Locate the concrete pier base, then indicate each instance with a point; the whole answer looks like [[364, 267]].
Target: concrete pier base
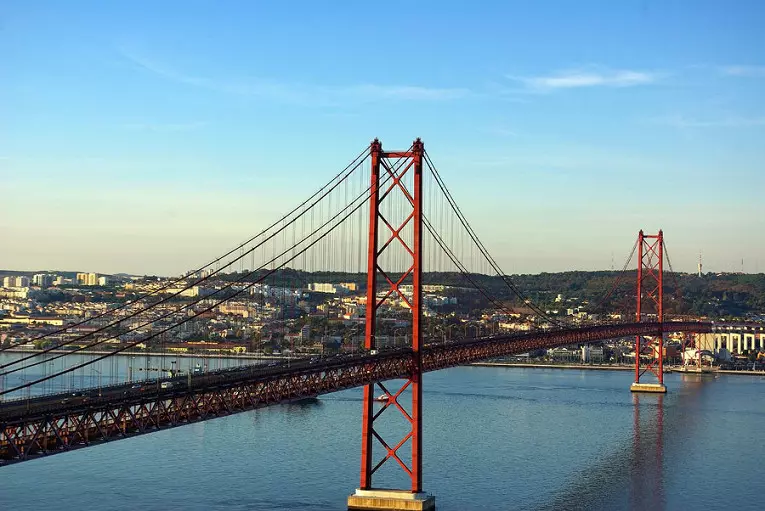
[[395, 500], [656, 388]]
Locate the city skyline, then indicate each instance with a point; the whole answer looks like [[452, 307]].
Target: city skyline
[[189, 274], [149, 150]]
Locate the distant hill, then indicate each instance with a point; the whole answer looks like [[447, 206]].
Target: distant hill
[[713, 295], [15, 273], [63, 273]]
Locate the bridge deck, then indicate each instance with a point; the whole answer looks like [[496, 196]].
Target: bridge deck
[[58, 423]]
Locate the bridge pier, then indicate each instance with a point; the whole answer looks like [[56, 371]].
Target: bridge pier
[[655, 388], [391, 500]]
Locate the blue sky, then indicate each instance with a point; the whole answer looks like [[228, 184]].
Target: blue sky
[[145, 136]]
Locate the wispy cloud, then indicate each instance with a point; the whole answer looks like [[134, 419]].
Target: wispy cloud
[[295, 93], [679, 121], [168, 127], [581, 78], [749, 71]]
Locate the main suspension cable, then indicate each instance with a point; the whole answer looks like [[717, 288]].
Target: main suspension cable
[[460, 266], [217, 303], [678, 293], [117, 322], [482, 248], [619, 278], [342, 175], [184, 307]]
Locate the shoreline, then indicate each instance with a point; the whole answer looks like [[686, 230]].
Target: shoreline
[[152, 354], [589, 367], [601, 367], [733, 371], [581, 367]]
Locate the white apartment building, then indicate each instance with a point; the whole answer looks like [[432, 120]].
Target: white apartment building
[[19, 281]]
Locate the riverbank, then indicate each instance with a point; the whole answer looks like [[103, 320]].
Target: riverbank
[[749, 373], [152, 354], [601, 367], [594, 367]]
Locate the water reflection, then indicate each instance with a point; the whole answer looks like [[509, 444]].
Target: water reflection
[[647, 463], [517, 439], [633, 477]]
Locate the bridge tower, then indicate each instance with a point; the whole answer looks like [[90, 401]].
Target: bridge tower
[[405, 234], [650, 292]]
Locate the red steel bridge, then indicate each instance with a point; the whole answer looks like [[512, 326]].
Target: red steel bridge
[[388, 215]]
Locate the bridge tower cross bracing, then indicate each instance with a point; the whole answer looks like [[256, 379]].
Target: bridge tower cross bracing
[[407, 237], [650, 292]]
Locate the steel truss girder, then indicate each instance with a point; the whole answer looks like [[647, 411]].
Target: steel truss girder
[[24, 438], [30, 436]]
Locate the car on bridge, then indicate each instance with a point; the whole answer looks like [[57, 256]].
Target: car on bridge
[[75, 396]]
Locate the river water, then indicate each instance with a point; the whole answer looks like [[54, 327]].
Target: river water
[[494, 438], [108, 371]]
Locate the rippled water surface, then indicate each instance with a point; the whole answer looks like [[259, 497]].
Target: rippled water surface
[[494, 438]]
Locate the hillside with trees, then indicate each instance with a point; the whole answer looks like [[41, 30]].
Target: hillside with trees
[[727, 295]]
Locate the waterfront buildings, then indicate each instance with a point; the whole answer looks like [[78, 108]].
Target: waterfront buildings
[[267, 318]]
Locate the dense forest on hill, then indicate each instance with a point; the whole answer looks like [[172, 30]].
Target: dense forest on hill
[[712, 295], [716, 296]]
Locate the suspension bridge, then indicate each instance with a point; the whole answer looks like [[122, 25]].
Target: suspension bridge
[[389, 216]]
